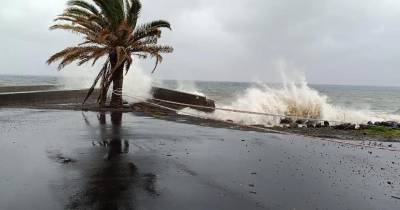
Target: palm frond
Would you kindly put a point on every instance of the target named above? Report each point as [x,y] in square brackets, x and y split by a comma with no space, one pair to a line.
[85,5]
[153,25]
[94,55]
[69,50]
[128,63]
[133,12]
[70,55]
[74,29]
[155,51]
[78,12]
[90,25]
[101,73]
[109,28]
[113,11]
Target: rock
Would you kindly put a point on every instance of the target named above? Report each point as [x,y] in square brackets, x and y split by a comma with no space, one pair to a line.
[391,124]
[300,121]
[370,123]
[286,121]
[345,126]
[386,124]
[310,124]
[326,123]
[319,125]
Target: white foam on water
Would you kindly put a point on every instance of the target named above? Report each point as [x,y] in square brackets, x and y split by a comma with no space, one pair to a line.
[137,83]
[295,98]
[78,77]
[189,87]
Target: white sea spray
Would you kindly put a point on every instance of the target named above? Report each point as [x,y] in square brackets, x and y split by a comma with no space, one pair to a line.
[295,98]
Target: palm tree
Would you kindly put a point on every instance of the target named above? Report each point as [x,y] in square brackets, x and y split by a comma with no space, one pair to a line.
[111,31]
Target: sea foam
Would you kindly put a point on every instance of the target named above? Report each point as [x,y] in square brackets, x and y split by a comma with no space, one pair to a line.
[294,98]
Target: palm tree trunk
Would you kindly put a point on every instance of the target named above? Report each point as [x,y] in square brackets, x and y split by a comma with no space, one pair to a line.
[117,80]
[116,98]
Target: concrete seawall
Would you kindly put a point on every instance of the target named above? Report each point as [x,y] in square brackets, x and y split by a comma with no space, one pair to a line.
[47,94]
[9,89]
[44,97]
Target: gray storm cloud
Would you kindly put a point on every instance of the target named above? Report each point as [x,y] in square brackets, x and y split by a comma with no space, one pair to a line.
[332,41]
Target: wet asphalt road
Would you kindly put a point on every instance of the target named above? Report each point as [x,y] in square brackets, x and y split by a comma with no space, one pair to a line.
[73,160]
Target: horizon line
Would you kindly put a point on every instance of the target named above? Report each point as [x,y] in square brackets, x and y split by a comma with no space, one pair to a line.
[230,81]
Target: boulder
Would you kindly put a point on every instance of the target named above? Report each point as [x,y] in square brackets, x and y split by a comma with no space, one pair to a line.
[300,121]
[310,124]
[391,124]
[345,126]
[286,120]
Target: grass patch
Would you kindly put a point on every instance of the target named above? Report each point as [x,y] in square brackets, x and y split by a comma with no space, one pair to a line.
[384,131]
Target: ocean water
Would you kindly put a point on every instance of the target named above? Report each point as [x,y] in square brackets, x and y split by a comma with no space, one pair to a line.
[347,104]
[357,104]
[11,80]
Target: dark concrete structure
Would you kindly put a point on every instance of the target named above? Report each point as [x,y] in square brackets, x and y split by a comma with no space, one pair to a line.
[182,97]
[9,89]
[44,95]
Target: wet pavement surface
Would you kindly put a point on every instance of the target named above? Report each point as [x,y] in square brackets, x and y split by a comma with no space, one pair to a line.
[86,160]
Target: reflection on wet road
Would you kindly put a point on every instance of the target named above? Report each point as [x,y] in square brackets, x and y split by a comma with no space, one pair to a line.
[111,182]
[74,160]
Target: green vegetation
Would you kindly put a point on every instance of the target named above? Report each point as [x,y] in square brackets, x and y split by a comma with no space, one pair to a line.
[383,131]
[110,30]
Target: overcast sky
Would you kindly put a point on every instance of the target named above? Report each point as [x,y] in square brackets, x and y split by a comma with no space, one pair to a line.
[331,41]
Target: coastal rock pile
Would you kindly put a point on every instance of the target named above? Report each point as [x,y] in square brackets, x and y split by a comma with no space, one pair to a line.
[391,124]
[387,124]
[292,123]
[304,123]
[345,126]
